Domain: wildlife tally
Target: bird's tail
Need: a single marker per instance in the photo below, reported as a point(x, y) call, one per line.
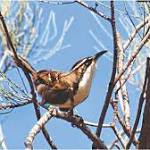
point(97, 55)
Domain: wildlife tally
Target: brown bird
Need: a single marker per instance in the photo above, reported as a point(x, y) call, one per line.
point(67, 90)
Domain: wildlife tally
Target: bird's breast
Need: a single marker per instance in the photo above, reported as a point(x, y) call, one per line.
point(83, 87)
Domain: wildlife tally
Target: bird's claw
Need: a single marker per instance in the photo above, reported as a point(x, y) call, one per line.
point(79, 120)
point(70, 112)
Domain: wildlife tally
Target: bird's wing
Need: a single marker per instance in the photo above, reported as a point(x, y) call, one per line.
point(56, 95)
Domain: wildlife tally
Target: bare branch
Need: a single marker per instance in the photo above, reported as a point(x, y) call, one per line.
point(75, 120)
point(133, 34)
point(121, 133)
point(38, 113)
point(22, 63)
point(10, 105)
point(96, 124)
point(111, 85)
point(122, 123)
point(26, 70)
point(118, 136)
point(134, 55)
point(144, 137)
point(82, 4)
point(93, 10)
point(37, 128)
point(10, 44)
point(122, 93)
point(141, 100)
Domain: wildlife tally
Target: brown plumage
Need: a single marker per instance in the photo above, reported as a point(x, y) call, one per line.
point(67, 90)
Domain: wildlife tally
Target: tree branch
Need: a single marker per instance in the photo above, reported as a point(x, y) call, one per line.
point(111, 83)
point(37, 111)
point(122, 93)
point(134, 55)
point(133, 34)
point(118, 136)
point(10, 105)
point(93, 10)
point(82, 4)
point(36, 129)
point(144, 137)
point(74, 120)
point(141, 101)
point(26, 72)
point(122, 123)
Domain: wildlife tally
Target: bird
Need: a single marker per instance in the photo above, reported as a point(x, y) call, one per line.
point(66, 89)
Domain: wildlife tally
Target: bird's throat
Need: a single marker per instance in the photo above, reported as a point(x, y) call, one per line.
point(85, 84)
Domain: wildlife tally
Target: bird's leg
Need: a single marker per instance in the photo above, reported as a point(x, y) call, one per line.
point(72, 104)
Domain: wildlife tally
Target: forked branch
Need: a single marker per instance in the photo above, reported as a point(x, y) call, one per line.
point(27, 69)
point(74, 120)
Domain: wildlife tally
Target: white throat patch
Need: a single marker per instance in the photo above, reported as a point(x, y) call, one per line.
point(85, 84)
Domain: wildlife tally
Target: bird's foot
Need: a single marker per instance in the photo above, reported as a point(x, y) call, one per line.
point(79, 121)
point(70, 112)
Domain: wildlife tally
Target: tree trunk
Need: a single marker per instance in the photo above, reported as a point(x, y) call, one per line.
point(144, 138)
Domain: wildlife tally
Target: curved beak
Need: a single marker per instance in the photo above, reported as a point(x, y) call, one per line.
point(97, 55)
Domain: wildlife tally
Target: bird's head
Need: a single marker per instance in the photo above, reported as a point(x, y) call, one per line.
point(87, 61)
point(45, 78)
point(41, 80)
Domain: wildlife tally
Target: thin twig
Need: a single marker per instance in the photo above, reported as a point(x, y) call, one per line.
point(10, 105)
point(111, 85)
point(26, 72)
point(131, 19)
point(122, 123)
point(121, 133)
point(92, 124)
point(10, 44)
point(125, 80)
point(133, 34)
point(139, 110)
point(80, 3)
point(133, 56)
point(57, 2)
point(122, 93)
point(93, 10)
point(118, 136)
point(37, 111)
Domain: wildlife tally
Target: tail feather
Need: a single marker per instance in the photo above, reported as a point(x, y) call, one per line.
point(27, 66)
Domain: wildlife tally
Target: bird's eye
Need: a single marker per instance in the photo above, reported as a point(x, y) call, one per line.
point(87, 63)
point(41, 81)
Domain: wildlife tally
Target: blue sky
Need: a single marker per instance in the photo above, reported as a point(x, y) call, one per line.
point(79, 43)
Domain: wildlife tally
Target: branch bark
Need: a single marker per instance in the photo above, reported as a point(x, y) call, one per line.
point(93, 10)
point(26, 72)
point(141, 101)
point(10, 105)
point(133, 34)
point(111, 83)
point(122, 93)
point(144, 137)
point(134, 55)
point(122, 123)
point(74, 120)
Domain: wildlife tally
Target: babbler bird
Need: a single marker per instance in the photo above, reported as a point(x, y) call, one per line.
point(67, 90)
